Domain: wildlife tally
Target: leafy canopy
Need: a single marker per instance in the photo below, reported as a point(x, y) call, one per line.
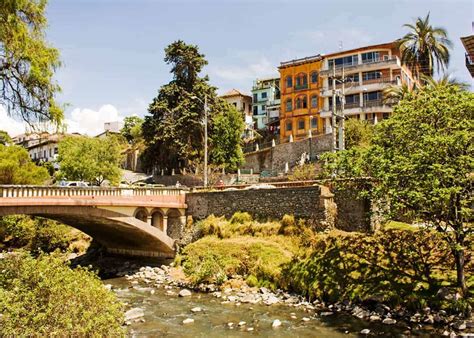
point(90, 159)
point(5, 139)
point(132, 129)
point(27, 62)
point(174, 130)
point(16, 167)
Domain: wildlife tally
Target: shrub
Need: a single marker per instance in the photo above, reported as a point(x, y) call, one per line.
point(240, 218)
point(44, 297)
point(308, 171)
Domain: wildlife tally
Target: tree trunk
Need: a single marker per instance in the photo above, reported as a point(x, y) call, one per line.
point(461, 278)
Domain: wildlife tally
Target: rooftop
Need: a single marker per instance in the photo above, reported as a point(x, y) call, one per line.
point(234, 92)
point(380, 45)
point(294, 62)
point(468, 42)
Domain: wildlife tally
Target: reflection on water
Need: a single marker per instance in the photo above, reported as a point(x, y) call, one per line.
point(164, 315)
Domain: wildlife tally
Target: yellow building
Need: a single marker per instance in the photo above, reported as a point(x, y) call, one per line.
point(300, 98)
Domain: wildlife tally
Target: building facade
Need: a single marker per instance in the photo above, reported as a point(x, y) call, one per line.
point(242, 103)
point(300, 98)
point(364, 73)
point(266, 103)
point(468, 42)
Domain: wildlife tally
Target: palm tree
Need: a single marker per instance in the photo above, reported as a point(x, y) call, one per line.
point(445, 80)
point(394, 93)
point(424, 47)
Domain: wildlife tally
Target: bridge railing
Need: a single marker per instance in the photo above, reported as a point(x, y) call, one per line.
point(25, 191)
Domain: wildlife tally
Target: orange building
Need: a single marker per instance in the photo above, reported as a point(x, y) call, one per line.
point(300, 98)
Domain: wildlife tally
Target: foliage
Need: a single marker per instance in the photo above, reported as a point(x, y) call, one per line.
point(27, 62)
point(44, 297)
point(396, 266)
point(307, 171)
point(424, 46)
point(132, 129)
point(421, 162)
point(357, 133)
point(16, 167)
point(90, 159)
point(174, 132)
point(241, 218)
point(5, 139)
point(37, 234)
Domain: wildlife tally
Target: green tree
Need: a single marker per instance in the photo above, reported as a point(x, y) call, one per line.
point(421, 161)
point(44, 297)
point(132, 129)
point(358, 133)
point(174, 132)
point(27, 62)
point(5, 139)
point(424, 47)
point(90, 159)
point(16, 167)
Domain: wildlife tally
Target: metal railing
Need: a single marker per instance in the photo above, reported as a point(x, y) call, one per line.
point(28, 191)
point(351, 65)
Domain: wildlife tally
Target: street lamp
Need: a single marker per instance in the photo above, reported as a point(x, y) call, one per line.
point(205, 135)
point(310, 136)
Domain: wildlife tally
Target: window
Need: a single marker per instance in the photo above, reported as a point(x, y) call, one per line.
point(288, 126)
point(55, 150)
point(386, 115)
point(235, 104)
point(370, 57)
point(264, 95)
point(255, 110)
point(354, 78)
point(372, 96)
point(50, 152)
point(314, 123)
point(344, 61)
point(289, 82)
point(352, 98)
point(255, 98)
point(289, 105)
point(301, 124)
point(301, 102)
point(367, 76)
point(314, 101)
point(263, 108)
point(301, 81)
point(243, 105)
point(314, 77)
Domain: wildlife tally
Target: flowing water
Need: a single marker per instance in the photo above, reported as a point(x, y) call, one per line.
point(164, 315)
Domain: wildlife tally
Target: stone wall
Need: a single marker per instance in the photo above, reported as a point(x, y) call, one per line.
point(353, 212)
point(275, 158)
point(304, 202)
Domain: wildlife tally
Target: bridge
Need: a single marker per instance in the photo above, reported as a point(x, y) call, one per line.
point(128, 221)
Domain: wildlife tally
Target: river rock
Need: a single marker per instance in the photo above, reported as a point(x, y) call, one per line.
point(271, 300)
point(184, 293)
point(429, 319)
point(196, 309)
point(365, 331)
point(276, 323)
point(460, 325)
point(327, 313)
point(264, 290)
point(134, 313)
point(242, 323)
point(108, 286)
point(305, 319)
point(389, 321)
point(231, 298)
point(188, 321)
point(374, 318)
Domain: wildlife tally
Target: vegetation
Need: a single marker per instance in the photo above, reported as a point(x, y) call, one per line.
point(16, 167)
point(5, 139)
point(424, 47)
point(90, 159)
point(358, 133)
point(421, 164)
point(132, 129)
point(44, 297)
point(174, 132)
point(27, 62)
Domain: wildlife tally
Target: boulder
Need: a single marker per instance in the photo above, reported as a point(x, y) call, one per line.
point(133, 314)
point(276, 323)
point(184, 293)
point(365, 331)
point(389, 321)
point(188, 321)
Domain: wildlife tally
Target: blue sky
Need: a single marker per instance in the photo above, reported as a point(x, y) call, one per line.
point(112, 50)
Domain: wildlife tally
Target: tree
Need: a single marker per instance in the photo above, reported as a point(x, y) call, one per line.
point(424, 47)
point(5, 139)
point(90, 159)
point(27, 62)
point(132, 129)
point(16, 167)
point(421, 161)
point(358, 133)
point(174, 132)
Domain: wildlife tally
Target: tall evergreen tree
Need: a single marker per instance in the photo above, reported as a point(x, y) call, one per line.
point(174, 130)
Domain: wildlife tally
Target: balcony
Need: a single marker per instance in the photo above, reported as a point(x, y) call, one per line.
point(365, 85)
point(355, 108)
point(300, 87)
point(470, 63)
point(366, 65)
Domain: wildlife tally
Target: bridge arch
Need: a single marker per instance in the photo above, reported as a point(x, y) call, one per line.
point(158, 218)
point(141, 214)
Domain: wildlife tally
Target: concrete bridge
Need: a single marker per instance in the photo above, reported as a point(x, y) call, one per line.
point(128, 221)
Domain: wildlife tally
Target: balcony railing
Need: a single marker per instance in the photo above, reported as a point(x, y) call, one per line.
point(328, 69)
point(383, 80)
point(300, 87)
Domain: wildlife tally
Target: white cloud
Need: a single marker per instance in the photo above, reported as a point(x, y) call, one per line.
point(91, 122)
point(9, 124)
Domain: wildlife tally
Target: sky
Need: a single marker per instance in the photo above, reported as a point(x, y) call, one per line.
point(112, 50)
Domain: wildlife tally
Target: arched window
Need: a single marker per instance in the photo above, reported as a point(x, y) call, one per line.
point(314, 101)
point(301, 124)
point(289, 82)
point(314, 77)
point(301, 102)
point(301, 81)
point(314, 123)
point(289, 105)
point(289, 127)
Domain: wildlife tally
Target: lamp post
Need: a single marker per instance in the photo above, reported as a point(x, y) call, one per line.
point(310, 136)
point(205, 136)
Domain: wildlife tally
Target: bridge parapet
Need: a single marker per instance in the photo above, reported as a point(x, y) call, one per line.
point(26, 191)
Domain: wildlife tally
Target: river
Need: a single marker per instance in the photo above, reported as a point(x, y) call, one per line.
point(165, 312)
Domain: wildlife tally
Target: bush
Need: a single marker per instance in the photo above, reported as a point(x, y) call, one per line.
point(240, 218)
point(44, 297)
point(308, 171)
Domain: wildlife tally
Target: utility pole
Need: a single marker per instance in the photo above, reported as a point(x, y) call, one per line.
point(341, 125)
point(334, 117)
point(205, 140)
